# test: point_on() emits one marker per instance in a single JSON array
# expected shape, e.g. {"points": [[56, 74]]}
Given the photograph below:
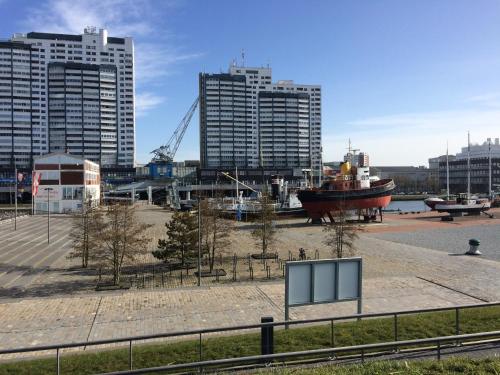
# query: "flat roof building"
{"points": [[64, 183]]}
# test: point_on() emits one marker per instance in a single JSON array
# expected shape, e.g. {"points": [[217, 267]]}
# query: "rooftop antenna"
{"points": [[242, 58]]}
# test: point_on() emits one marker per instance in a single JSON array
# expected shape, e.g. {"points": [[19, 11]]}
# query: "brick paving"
{"points": [[114, 315]]}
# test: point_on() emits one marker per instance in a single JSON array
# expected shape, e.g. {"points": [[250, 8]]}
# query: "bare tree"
{"points": [[341, 235], [265, 231], [216, 229], [86, 226], [122, 239]]}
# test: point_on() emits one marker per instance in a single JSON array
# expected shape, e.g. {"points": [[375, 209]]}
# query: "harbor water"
{"points": [[407, 206]]}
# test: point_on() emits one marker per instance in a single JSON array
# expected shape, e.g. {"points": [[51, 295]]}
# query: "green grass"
{"points": [[448, 366], [294, 339]]}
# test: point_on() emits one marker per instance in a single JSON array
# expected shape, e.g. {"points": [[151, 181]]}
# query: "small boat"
{"points": [[464, 204]]}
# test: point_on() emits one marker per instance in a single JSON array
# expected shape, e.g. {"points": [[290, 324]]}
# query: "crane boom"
{"points": [[241, 183], [167, 151]]}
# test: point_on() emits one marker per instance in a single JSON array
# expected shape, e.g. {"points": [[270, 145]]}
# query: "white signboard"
{"points": [[323, 281], [42, 193]]}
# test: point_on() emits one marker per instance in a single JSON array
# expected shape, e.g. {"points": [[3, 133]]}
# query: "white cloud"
{"points": [[144, 20], [146, 101], [154, 61], [122, 17], [437, 121], [491, 99], [412, 138]]}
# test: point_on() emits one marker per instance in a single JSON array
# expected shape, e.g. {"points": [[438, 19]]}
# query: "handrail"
{"points": [[237, 328], [269, 357]]}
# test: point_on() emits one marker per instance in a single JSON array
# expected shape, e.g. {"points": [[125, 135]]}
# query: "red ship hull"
{"points": [[320, 202]]}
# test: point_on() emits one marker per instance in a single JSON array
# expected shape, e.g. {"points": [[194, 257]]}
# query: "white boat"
{"points": [[464, 202]]}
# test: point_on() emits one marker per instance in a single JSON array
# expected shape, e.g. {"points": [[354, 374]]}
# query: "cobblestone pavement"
{"points": [[113, 315]]}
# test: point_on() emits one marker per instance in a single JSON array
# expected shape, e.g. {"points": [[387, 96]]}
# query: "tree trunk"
{"points": [[212, 258]]}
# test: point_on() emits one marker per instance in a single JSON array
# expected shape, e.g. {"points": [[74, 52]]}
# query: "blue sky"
{"points": [[399, 77]]}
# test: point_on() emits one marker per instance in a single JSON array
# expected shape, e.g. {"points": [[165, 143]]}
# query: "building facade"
{"points": [[247, 121], [66, 182], [457, 172], [409, 179], [82, 111], [61, 92], [479, 175]]}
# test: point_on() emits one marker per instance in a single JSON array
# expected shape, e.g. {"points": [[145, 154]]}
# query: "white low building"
{"points": [[65, 183]]}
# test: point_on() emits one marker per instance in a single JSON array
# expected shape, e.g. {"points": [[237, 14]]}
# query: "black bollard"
{"points": [[266, 336]]}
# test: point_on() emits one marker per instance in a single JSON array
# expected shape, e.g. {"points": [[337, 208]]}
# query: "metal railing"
{"points": [[269, 358], [396, 343]]}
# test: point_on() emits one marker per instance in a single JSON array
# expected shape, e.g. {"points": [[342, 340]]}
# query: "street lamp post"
{"points": [[199, 241], [15, 198], [48, 190]]}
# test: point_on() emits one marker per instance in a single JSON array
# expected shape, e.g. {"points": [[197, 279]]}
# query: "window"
{"points": [[67, 193], [49, 175], [78, 193]]}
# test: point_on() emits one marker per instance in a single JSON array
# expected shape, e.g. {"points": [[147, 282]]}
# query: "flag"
{"points": [[35, 181]]}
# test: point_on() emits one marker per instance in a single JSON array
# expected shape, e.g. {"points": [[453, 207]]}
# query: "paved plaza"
{"points": [[25, 254], [397, 276], [114, 315]]}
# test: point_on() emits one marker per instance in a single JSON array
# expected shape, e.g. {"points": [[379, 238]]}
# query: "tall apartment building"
{"points": [[69, 93], [248, 121]]}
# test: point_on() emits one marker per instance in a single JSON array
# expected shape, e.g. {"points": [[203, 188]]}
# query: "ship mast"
{"points": [[489, 167], [447, 173], [468, 165]]}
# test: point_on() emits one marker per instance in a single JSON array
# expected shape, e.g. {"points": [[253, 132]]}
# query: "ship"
{"points": [[463, 203], [351, 189]]}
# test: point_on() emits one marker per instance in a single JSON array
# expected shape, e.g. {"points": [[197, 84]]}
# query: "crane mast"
{"points": [[166, 152]]}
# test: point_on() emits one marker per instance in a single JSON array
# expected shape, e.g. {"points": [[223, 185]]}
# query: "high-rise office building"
{"points": [[248, 121], [69, 93]]}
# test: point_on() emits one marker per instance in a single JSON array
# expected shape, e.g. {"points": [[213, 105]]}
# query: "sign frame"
{"points": [[336, 262]]}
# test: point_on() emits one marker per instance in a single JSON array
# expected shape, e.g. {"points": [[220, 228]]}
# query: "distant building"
{"points": [[434, 162], [481, 150], [249, 122], [408, 179], [363, 160], [65, 183], [479, 168]]}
